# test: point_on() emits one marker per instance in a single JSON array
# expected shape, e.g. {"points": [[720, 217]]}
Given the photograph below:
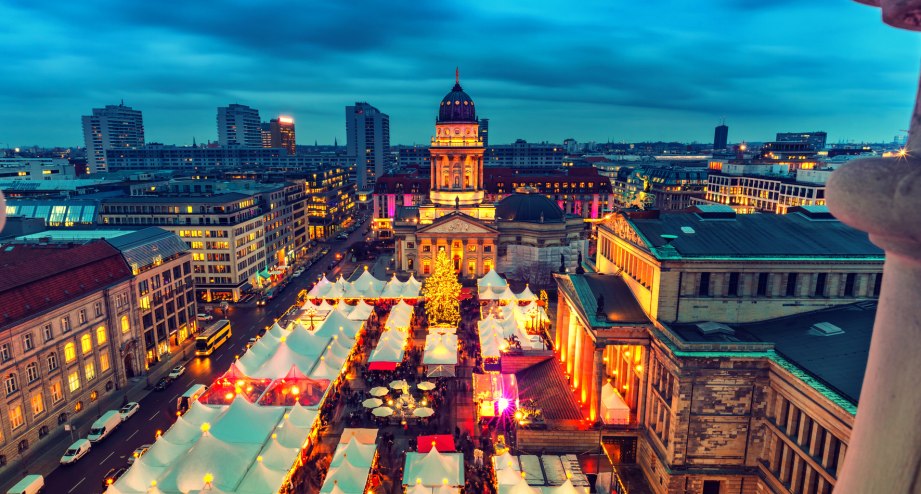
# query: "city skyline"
{"points": [[630, 75]]}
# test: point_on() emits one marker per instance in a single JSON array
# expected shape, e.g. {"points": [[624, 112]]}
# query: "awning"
{"points": [[382, 366], [444, 443], [264, 274]]}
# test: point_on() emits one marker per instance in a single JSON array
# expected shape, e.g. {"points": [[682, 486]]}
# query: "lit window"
{"points": [[73, 381], [57, 394], [89, 370], [16, 419], [104, 361], [86, 343], [38, 404], [100, 335], [70, 353], [126, 326]]}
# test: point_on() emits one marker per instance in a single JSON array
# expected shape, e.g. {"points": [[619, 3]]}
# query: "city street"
{"points": [[158, 408]]}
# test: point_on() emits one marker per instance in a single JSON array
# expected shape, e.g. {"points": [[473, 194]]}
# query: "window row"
{"points": [[833, 285]]}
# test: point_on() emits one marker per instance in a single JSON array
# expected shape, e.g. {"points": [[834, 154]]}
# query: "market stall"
{"points": [[434, 469]]}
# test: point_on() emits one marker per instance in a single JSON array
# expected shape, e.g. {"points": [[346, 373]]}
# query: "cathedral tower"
{"points": [[457, 152]]}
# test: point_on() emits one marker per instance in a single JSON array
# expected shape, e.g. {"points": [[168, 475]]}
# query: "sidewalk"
{"points": [[43, 457]]}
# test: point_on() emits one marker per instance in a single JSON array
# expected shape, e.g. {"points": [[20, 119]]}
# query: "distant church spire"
{"points": [[457, 75]]}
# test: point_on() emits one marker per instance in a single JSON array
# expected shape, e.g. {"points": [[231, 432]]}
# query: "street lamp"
{"points": [[311, 311], [532, 311]]}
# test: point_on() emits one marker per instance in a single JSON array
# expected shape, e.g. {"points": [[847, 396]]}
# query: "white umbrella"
{"points": [[426, 386], [372, 403], [382, 412], [398, 384], [423, 412], [379, 391]]}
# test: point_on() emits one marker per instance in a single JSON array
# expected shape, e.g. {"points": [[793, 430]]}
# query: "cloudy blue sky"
{"points": [[540, 70]]}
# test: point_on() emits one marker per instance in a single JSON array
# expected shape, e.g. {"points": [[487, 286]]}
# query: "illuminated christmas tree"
{"points": [[442, 293]]}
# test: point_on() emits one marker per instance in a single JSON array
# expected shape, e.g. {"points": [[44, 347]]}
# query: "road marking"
{"points": [[219, 358], [154, 415], [174, 398], [132, 434], [75, 485], [107, 457]]}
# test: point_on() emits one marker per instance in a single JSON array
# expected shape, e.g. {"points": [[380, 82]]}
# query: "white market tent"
{"points": [[401, 316], [227, 448], [492, 279], [440, 349], [432, 468], [526, 295], [338, 324], [520, 487], [390, 347], [614, 410], [351, 463], [361, 312], [365, 286]]}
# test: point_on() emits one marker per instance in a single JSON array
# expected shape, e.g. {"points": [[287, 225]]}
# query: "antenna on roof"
{"points": [[457, 75]]}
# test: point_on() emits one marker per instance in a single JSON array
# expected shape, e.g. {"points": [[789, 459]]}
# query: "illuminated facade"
{"points": [[281, 132], [112, 127], [738, 344], [752, 188], [458, 218]]}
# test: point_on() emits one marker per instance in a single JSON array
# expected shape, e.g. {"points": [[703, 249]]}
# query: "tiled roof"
{"points": [[34, 278]]}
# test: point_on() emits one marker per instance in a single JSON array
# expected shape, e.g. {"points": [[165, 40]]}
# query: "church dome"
{"points": [[528, 207], [457, 106]]}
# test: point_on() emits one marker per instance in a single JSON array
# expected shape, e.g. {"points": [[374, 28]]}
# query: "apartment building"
{"points": [[60, 334], [765, 188]]}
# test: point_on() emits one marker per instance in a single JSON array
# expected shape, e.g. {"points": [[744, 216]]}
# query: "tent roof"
{"points": [[363, 436], [433, 467], [492, 278], [354, 452]]}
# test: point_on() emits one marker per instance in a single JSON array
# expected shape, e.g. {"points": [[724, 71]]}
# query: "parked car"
{"points": [[163, 383], [103, 426], [112, 475], [138, 453], [260, 301], [30, 484], [129, 410], [77, 450], [299, 272], [204, 317], [177, 371], [342, 236]]}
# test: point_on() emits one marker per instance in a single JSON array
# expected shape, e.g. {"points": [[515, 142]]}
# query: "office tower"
{"points": [[368, 141], [281, 130], [112, 127], [484, 132], [721, 136], [239, 126], [266, 131]]}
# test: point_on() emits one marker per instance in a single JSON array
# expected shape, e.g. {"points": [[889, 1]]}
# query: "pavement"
{"points": [[157, 408]]}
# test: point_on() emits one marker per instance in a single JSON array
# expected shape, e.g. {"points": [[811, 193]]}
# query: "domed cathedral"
{"points": [[478, 236]]}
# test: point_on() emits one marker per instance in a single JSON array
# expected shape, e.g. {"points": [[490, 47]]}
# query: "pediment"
{"points": [[457, 223]]}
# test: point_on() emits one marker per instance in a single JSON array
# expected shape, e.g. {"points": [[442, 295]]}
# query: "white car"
{"points": [[77, 450], [129, 410], [138, 453], [177, 371], [204, 317], [298, 272]]}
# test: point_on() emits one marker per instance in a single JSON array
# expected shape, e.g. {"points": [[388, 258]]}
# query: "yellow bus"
{"points": [[213, 337]]}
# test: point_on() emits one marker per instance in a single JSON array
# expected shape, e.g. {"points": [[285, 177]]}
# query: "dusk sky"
{"points": [[539, 70]]}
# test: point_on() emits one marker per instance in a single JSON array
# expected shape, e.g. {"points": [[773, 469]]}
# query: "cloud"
{"points": [[542, 70]]}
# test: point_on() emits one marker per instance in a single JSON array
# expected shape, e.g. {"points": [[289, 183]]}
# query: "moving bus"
{"points": [[184, 402], [213, 337]]}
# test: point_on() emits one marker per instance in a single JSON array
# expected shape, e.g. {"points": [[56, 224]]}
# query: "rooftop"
{"points": [[34, 278], [146, 247], [795, 235], [837, 360], [620, 307]]}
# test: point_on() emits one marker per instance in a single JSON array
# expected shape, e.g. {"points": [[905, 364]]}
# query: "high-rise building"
{"points": [[239, 126], [281, 130], [266, 131], [368, 134], [484, 131], [115, 126], [721, 136]]}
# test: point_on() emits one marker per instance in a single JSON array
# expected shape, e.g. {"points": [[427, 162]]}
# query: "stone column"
{"points": [[882, 196], [597, 383], [572, 332], [588, 364], [561, 319], [576, 360]]}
